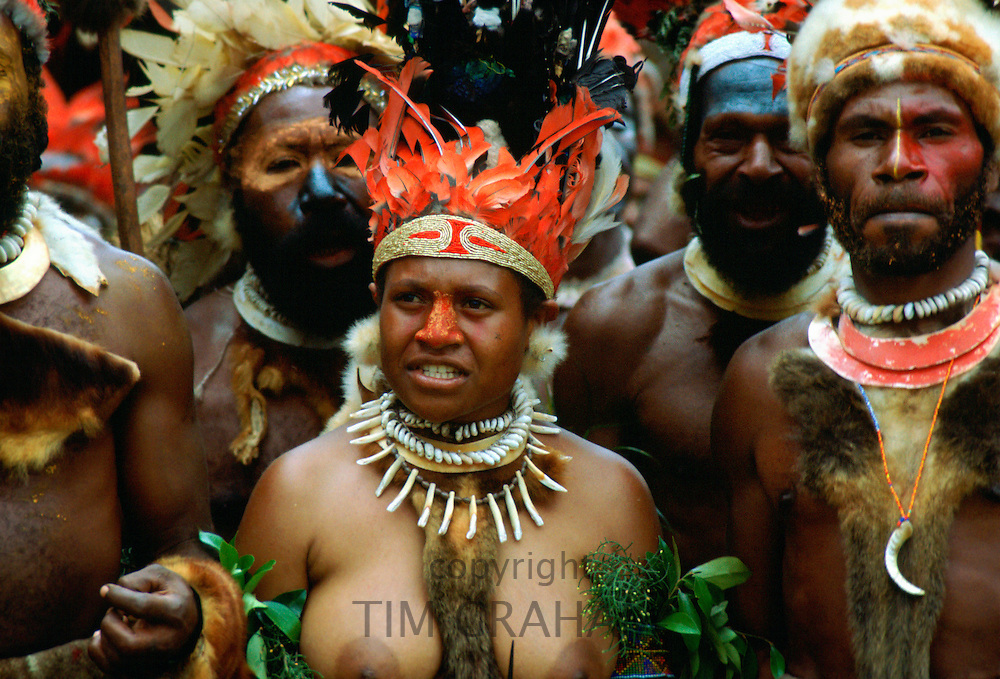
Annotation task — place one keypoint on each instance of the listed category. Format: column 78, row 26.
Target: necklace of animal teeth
column 382, row 421
column 413, row 453
column 861, row 310
column 12, row 242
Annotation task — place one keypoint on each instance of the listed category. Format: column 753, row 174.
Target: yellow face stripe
column 899, row 139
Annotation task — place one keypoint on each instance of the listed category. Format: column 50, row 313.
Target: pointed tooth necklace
column 386, row 422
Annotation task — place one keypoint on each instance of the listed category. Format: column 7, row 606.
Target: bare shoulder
column 214, row 308
column 305, row 483
column 746, row 407
column 752, row 362
column 610, row 498
column 611, row 305
column 212, row 320
column 624, row 316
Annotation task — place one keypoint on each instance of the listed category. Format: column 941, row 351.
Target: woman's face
column 453, row 336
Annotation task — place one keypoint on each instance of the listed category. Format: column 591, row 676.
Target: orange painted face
column 302, row 218
column 453, row 336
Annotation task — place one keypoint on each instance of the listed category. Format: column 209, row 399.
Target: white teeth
column 439, row 371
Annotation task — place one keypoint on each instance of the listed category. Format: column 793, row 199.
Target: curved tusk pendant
column 407, row 487
column 515, row 521
column 898, row 538
column 532, row 512
column 386, row 449
column 388, row 476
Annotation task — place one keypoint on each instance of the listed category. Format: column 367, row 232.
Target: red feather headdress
column 469, row 197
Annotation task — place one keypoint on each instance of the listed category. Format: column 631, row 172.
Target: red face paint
column 441, row 327
column 903, row 159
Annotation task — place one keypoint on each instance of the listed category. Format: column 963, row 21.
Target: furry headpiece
column 462, row 191
column 29, row 17
column 847, row 46
column 224, row 58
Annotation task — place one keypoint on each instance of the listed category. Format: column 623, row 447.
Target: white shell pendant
column 898, row 538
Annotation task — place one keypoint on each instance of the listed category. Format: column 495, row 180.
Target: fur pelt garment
column 53, row 386
column 257, row 372
column 462, row 606
column 221, row 650
column 841, row 463
column 95, row 16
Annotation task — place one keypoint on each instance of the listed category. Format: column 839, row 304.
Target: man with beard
column 647, row 350
column 268, row 362
column 98, row 444
column 861, row 445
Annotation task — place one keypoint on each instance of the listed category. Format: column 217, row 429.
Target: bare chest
column 60, row 540
column 372, row 616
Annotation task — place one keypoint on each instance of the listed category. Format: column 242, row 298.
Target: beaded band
column 460, row 238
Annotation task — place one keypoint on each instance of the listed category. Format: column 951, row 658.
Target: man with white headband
column 861, row 444
column 648, row 349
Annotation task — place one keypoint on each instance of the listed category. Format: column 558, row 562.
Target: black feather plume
column 367, row 18
column 348, row 108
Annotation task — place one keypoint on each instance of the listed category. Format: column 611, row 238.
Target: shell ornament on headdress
column 223, row 58
column 501, row 157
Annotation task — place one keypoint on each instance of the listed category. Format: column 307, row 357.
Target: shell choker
column 12, row 241
column 861, row 310
column 255, row 308
column 513, row 440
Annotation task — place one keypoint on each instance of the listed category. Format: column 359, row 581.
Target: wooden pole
column 119, row 148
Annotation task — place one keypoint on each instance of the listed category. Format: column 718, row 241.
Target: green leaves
column 273, row 627
column 651, row 603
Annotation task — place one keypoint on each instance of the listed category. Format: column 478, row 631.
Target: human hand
column 152, row 622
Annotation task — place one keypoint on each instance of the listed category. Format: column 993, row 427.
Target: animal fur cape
column 53, row 386
column 840, row 462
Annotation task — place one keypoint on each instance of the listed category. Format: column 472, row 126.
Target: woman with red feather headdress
column 478, row 206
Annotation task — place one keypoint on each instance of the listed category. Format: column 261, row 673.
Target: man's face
column 22, row 123
column 303, row 221
column 904, row 177
column 756, row 187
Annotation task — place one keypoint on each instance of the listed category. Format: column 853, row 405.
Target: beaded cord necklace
column 904, row 527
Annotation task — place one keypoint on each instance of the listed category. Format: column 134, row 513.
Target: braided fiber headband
column 460, row 238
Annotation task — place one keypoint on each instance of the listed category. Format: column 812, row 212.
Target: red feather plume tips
column 412, row 171
column 96, row 16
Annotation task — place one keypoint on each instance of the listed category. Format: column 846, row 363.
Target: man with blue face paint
column 647, row 350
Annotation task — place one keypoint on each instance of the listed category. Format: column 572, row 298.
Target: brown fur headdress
column 847, row 46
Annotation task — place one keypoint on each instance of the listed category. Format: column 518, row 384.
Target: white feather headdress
column 216, row 42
